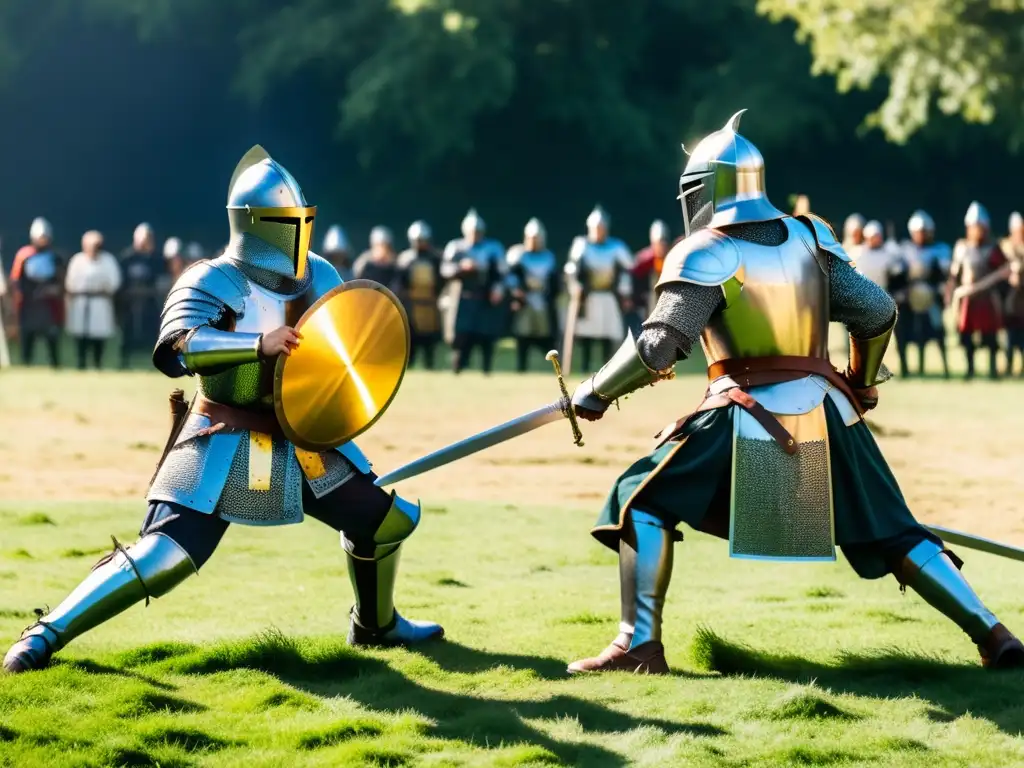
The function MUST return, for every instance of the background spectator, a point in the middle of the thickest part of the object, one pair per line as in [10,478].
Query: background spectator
[93,279]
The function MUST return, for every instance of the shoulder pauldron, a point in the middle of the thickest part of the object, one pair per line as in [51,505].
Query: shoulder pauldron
[706,257]
[824,235]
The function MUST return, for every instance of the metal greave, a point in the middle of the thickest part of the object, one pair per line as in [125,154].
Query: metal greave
[928,571]
[150,567]
[645,569]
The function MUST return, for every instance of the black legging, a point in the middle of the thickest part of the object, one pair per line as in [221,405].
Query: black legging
[423,347]
[463,348]
[987,340]
[87,346]
[28,344]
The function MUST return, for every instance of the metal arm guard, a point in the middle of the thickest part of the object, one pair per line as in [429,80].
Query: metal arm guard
[625,372]
[207,350]
[866,358]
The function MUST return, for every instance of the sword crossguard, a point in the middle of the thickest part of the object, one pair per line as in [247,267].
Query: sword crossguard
[567,409]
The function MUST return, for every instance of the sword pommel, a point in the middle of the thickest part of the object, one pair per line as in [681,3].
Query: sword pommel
[566,401]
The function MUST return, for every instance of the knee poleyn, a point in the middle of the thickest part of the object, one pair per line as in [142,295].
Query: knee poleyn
[398,524]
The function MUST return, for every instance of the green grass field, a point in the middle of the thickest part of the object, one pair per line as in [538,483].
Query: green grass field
[245,664]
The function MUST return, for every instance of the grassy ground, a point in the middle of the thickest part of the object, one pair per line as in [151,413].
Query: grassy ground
[244,664]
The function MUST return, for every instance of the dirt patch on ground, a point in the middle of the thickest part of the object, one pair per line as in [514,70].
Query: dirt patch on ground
[955,448]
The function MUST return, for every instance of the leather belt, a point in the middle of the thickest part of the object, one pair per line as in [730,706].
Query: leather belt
[759,371]
[735,396]
[225,416]
[756,371]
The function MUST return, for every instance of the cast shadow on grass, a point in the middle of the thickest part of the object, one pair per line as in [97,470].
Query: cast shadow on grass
[328,668]
[950,689]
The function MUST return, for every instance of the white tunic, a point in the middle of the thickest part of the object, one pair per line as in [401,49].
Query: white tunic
[91,285]
[607,265]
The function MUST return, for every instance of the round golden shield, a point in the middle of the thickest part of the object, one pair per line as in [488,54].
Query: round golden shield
[347,368]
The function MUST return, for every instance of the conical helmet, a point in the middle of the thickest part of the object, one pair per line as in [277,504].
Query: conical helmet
[977,214]
[723,182]
[265,201]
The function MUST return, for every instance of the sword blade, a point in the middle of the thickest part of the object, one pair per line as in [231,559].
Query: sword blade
[476,443]
[979,543]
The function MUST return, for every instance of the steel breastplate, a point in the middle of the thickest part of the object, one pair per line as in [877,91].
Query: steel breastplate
[600,268]
[777,304]
[974,262]
[537,269]
[252,385]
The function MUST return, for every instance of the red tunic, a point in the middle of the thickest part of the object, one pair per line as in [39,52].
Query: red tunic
[980,313]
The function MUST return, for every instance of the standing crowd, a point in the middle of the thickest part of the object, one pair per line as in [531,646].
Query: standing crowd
[474,291]
[467,295]
[979,279]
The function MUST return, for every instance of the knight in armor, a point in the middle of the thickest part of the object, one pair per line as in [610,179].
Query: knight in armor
[225,322]
[419,280]
[974,276]
[646,268]
[37,280]
[1012,247]
[777,458]
[853,235]
[599,273]
[533,279]
[336,250]
[474,266]
[137,301]
[877,260]
[379,263]
[916,281]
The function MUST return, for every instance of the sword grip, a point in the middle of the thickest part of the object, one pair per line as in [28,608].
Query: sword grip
[567,409]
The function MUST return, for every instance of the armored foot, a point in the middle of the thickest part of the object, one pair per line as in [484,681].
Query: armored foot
[400,631]
[31,652]
[1001,650]
[645,659]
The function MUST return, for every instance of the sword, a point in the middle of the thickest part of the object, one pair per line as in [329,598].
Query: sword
[556,411]
[979,543]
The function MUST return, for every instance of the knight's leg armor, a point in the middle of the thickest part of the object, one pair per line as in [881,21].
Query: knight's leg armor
[930,572]
[150,567]
[373,569]
[645,569]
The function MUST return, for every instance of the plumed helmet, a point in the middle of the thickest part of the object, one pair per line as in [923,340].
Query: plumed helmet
[659,232]
[380,236]
[920,221]
[872,229]
[472,223]
[40,229]
[265,201]
[173,247]
[723,182]
[534,228]
[419,232]
[853,222]
[1016,221]
[977,214]
[335,240]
